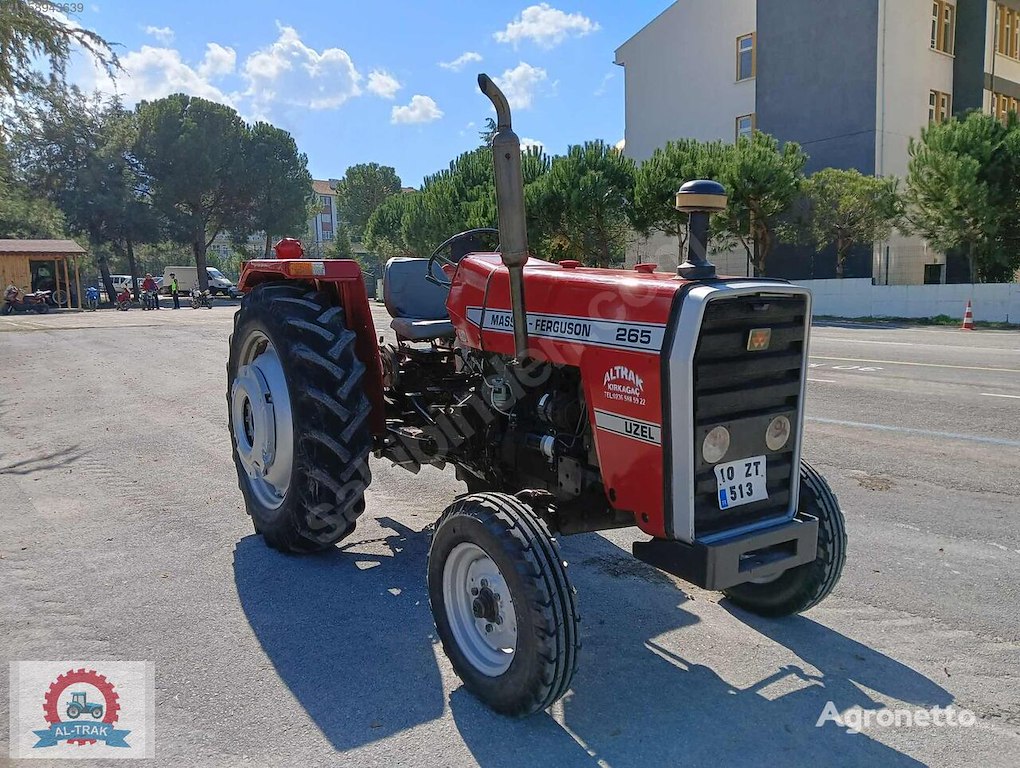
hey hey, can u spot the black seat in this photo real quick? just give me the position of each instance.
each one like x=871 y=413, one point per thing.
x=417 y=306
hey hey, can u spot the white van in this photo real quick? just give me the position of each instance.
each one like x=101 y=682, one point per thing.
x=188 y=276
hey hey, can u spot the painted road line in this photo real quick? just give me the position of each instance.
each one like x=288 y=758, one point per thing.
x=921 y=365
x=837 y=340
x=993 y=394
x=827 y=381
x=913 y=431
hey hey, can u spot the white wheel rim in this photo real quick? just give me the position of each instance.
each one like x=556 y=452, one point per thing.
x=473 y=584
x=261 y=418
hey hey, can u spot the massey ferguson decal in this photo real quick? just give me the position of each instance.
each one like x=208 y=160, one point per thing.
x=635 y=429
x=646 y=337
x=621 y=383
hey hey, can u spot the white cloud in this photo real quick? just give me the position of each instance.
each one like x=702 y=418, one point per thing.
x=165 y=35
x=219 y=61
x=458 y=63
x=527 y=143
x=382 y=83
x=545 y=26
x=151 y=73
x=520 y=83
x=289 y=72
x=421 y=109
x=601 y=90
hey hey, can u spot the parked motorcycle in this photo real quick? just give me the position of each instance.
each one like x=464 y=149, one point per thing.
x=92 y=299
x=149 y=299
x=201 y=299
x=15 y=301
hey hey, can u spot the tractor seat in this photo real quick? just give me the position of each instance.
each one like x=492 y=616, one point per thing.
x=417 y=306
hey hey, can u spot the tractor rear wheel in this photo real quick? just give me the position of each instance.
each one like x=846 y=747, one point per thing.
x=298 y=417
x=805 y=586
x=503 y=606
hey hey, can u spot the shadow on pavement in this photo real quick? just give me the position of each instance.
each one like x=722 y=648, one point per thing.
x=361 y=660
x=52 y=460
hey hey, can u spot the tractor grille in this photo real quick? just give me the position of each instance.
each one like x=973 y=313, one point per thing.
x=743 y=391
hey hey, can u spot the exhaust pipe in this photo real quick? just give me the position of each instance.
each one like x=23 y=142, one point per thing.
x=513 y=230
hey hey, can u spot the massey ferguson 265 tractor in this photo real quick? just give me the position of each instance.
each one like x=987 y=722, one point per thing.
x=568 y=399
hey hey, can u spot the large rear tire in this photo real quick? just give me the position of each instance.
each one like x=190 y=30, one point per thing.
x=503 y=606
x=299 y=418
x=805 y=586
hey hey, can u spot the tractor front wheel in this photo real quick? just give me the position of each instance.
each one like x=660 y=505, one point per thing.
x=503 y=606
x=97 y=712
x=805 y=586
x=298 y=417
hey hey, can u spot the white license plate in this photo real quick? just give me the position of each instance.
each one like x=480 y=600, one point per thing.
x=741 y=482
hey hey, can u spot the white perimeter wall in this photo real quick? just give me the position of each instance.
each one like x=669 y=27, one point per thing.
x=857 y=297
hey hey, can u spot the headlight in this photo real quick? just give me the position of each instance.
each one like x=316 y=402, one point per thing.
x=717 y=442
x=778 y=433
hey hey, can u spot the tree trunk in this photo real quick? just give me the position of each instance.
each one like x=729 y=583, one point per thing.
x=841 y=250
x=198 y=247
x=972 y=259
x=132 y=267
x=269 y=245
x=104 y=273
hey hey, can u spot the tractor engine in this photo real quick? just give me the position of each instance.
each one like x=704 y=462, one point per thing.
x=505 y=426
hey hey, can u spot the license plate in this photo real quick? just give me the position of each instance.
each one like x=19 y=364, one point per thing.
x=741 y=482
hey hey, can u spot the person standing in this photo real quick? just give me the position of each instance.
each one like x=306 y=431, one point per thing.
x=175 y=290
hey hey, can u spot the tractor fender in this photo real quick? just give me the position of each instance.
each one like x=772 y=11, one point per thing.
x=342 y=278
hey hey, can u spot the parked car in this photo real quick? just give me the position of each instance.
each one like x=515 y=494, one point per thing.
x=188 y=276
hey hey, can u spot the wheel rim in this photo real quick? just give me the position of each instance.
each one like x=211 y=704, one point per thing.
x=261 y=418
x=479 y=609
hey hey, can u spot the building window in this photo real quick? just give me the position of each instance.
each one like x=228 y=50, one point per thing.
x=745 y=126
x=943 y=26
x=1007 y=32
x=940 y=106
x=746 y=63
x=1002 y=105
x=327 y=234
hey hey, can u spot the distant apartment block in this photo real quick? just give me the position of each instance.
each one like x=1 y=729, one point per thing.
x=850 y=81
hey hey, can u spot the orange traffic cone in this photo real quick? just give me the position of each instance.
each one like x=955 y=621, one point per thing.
x=968 y=319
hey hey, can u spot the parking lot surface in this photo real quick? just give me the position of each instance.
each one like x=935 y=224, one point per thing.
x=123 y=536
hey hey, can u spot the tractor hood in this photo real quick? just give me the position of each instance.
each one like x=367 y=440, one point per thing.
x=654 y=361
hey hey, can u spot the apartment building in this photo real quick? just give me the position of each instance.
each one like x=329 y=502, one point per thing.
x=323 y=225
x=851 y=82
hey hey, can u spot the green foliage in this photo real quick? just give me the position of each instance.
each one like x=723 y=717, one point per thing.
x=963 y=192
x=29 y=33
x=213 y=195
x=655 y=185
x=364 y=188
x=844 y=208
x=582 y=205
x=279 y=184
x=341 y=247
x=23 y=214
x=384 y=230
x=762 y=182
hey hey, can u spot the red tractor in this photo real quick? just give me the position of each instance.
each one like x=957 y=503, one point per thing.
x=607 y=398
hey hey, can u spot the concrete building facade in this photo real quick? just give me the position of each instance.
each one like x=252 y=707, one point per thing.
x=851 y=82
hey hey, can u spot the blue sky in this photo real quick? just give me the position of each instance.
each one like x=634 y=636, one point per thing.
x=363 y=81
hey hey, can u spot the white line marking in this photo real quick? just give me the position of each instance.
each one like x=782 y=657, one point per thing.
x=913 y=431
x=827 y=381
x=922 y=365
x=866 y=341
x=992 y=394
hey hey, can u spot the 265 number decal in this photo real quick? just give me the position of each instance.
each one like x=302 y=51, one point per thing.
x=634 y=336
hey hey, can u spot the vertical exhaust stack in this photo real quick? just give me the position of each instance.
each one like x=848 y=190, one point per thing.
x=513 y=230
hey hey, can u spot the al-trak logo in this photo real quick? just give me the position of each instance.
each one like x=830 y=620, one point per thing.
x=81 y=707
x=621 y=383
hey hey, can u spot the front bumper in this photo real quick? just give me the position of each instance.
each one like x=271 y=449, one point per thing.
x=726 y=563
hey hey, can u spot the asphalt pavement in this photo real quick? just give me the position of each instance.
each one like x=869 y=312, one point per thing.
x=123 y=536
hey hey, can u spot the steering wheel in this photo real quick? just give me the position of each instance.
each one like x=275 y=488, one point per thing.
x=436 y=272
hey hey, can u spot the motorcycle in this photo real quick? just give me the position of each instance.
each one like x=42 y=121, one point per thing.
x=92 y=299
x=30 y=302
x=150 y=299
x=201 y=299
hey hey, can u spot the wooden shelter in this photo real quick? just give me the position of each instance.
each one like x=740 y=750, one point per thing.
x=43 y=265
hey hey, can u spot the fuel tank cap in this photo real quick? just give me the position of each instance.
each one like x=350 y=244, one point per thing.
x=645 y=269
x=570 y=264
